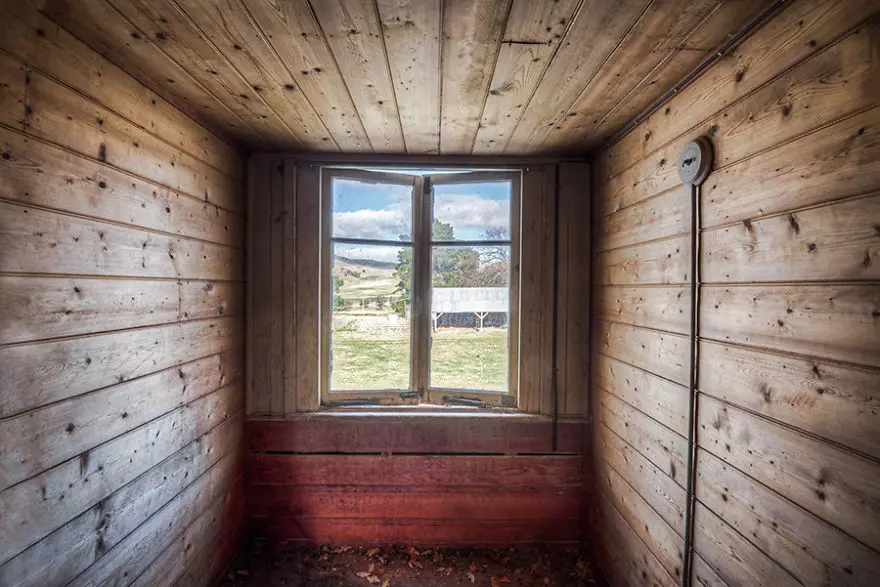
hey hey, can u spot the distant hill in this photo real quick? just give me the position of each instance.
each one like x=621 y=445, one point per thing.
x=364 y=278
x=363 y=262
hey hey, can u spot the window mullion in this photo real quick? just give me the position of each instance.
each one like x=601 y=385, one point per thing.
x=421 y=285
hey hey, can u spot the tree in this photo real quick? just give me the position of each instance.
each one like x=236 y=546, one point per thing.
x=338 y=282
x=454 y=266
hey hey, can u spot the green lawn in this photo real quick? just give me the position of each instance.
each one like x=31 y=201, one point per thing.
x=460 y=358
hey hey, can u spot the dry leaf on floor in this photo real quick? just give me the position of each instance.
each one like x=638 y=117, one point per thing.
x=370 y=577
x=471 y=577
x=499 y=579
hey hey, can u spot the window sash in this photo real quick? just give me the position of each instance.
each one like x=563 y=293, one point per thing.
x=421 y=244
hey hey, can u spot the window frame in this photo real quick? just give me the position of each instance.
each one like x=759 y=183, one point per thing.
x=420 y=392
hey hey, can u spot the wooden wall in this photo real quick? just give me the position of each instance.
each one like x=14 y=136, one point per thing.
x=787 y=469
x=282 y=299
x=329 y=477
x=414 y=479
x=121 y=324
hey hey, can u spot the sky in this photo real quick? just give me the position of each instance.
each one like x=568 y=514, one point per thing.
x=384 y=211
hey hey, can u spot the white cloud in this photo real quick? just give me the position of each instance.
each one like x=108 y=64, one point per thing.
x=387 y=224
x=471 y=216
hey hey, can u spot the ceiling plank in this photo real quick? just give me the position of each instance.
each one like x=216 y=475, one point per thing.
x=166 y=28
x=352 y=30
x=472 y=34
x=731 y=17
x=95 y=23
x=228 y=27
x=533 y=35
x=652 y=42
x=599 y=26
x=293 y=32
x=411 y=29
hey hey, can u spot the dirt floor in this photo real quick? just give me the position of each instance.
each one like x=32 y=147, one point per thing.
x=295 y=566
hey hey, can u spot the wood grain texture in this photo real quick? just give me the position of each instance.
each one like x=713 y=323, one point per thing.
x=787 y=313
x=652 y=40
x=291 y=32
x=825 y=321
x=414 y=434
x=121 y=336
x=414 y=503
x=623 y=556
x=659 y=398
x=536 y=290
x=663 y=308
x=411 y=30
x=661 y=493
x=403 y=76
x=83 y=481
x=65 y=429
x=600 y=26
x=661 y=262
x=839 y=242
x=532 y=36
x=42 y=174
x=453 y=498
x=574 y=265
x=830 y=400
x=833 y=84
x=731 y=556
x=726 y=20
x=796 y=32
x=461 y=533
x=657 y=535
x=832 y=483
x=34 y=39
x=70 y=549
x=60 y=115
x=664 y=448
x=660 y=353
x=415 y=471
x=472 y=33
x=811 y=550
x=354 y=35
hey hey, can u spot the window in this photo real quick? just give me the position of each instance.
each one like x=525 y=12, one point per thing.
x=419 y=290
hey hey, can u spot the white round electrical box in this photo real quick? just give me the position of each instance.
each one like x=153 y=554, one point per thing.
x=695 y=161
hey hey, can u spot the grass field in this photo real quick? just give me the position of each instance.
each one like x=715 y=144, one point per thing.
x=460 y=358
x=370 y=344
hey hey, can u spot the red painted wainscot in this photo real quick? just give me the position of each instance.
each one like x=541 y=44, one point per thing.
x=414 y=479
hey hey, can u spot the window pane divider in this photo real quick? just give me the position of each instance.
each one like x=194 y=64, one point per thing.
x=471 y=243
x=369 y=241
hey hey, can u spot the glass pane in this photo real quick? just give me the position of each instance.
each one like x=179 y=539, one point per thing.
x=472 y=211
x=370 y=331
x=470 y=310
x=381 y=211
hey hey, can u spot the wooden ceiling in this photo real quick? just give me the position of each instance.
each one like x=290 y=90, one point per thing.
x=409 y=76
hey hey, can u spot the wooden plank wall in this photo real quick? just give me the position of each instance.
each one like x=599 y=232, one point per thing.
x=282 y=298
x=409 y=479
x=121 y=324
x=788 y=466
x=319 y=478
